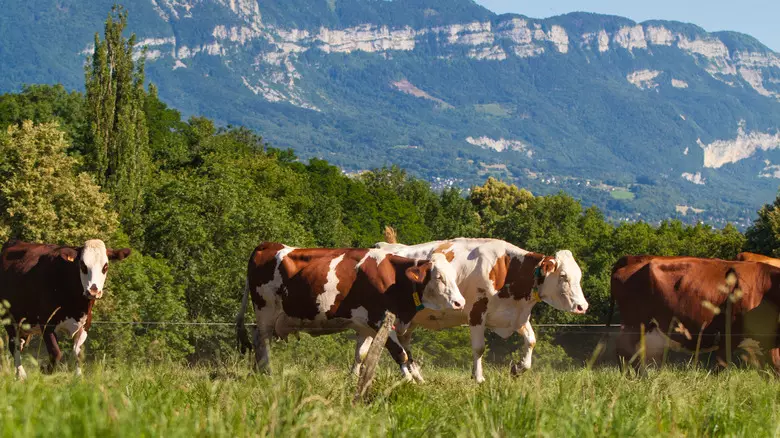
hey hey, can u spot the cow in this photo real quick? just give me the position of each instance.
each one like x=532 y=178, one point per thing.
x=501 y=284
x=52 y=289
x=324 y=291
x=682 y=301
x=753 y=257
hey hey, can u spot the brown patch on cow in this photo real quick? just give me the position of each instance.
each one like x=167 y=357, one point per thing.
x=446 y=250
x=478 y=311
x=547 y=266
x=521 y=276
x=498 y=274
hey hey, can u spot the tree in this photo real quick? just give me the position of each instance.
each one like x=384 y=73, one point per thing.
x=496 y=199
x=42 y=198
x=118 y=140
x=764 y=236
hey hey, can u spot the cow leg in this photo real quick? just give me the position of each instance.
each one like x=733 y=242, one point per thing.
x=78 y=342
x=406 y=343
x=55 y=354
x=261 y=341
x=477 y=333
x=361 y=350
x=14 y=348
x=626 y=346
x=529 y=342
x=398 y=353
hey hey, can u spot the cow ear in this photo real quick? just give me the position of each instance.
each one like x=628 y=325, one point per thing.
x=69 y=254
x=418 y=273
x=549 y=265
x=117 y=254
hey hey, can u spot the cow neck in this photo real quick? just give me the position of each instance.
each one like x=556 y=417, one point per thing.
x=75 y=305
x=522 y=276
x=402 y=294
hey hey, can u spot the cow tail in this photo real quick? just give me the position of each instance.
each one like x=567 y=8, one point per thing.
x=611 y=310
x=390 y=235
x=243 y=342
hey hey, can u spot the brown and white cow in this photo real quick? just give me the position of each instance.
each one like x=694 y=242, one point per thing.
x=669 y=296
x=52 y=289
x=501 y=284
x=324 y=291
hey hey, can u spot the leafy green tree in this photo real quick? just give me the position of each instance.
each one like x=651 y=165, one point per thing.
x=43 y=104
x=764 y=236
x=42 y=197
x=141 y=289
x=118 y=136
x=495 y=199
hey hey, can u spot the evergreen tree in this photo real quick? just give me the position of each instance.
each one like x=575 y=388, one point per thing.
x=118 y=150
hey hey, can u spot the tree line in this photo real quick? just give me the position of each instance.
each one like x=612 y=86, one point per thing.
x=193 y=199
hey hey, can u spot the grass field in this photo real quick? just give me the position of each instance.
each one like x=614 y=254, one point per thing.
x=622 y=195
x=312 y=399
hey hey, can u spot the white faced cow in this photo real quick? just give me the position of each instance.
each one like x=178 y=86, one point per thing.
x=501 y=284
x=52 y=289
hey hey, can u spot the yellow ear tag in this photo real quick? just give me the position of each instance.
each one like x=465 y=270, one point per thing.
x=535 y=296
x=69 y=258
x=417 y=303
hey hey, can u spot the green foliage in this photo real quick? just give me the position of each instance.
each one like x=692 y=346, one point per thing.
x=118 y=147
x=42 y=197
x=764 y=236
x=141 y=289
x=44 y=104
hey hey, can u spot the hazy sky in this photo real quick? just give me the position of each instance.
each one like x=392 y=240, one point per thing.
x=758 y=18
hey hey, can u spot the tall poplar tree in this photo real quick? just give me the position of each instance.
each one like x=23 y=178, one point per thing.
x=118 y=140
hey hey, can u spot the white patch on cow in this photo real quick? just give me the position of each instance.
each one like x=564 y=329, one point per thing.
x=326 y=299
x=71 y=326
x=361 y=351
x=406 y=373
x=20 y=373
x=655 y=344
x=92 y=264
x=360 y=315
x=374 y=253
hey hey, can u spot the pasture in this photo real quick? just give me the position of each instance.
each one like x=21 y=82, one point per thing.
x=310 y=390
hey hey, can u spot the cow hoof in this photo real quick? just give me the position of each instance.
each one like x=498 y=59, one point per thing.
x=479 y=379
x=20 y=373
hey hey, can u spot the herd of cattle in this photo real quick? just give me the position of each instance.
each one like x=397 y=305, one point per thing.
x=485 y=283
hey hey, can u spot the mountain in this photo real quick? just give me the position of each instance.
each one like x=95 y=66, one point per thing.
x=645 y=120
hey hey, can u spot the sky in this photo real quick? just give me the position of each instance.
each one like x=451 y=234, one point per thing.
x=758 y=18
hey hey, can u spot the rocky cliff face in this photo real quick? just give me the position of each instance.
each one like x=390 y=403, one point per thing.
x=273 y=74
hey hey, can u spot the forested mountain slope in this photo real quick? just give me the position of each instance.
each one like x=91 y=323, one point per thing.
x=649 y=120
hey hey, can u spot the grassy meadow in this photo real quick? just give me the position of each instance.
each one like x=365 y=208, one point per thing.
x=305 y=397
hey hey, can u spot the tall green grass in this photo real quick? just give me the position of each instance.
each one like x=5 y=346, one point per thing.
x=304 y=397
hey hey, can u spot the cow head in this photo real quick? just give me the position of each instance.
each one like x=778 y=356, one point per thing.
x=439 y=278
x=558 y=279
x=92 y=260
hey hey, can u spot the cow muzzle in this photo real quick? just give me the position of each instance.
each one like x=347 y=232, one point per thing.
x=580 y=309
x=93 y=293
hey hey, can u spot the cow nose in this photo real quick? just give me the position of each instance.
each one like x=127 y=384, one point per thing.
x=580 y=308
x=93 y=288
x=457 y=305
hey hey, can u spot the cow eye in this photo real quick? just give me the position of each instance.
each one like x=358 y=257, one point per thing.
x=105 y=268
x=83 y=267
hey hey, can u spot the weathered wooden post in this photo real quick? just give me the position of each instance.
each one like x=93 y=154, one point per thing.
x=368 y=369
